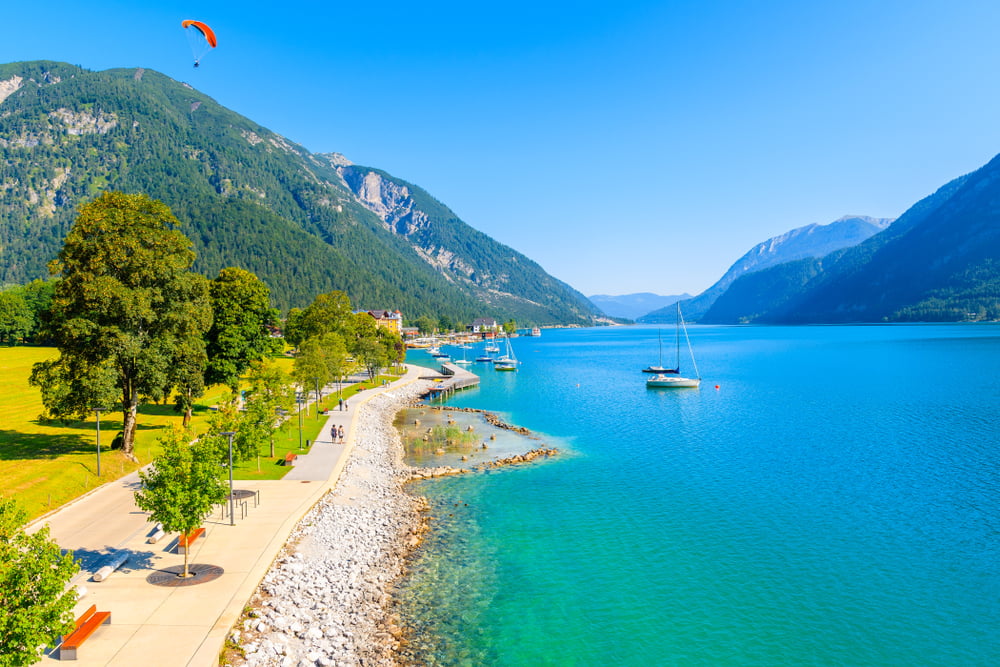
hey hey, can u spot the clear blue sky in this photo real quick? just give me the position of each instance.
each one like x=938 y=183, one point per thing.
x=626 y=147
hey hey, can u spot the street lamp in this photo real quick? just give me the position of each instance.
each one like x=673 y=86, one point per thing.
x=232 y=503
x=298 y=399
x=98 y=412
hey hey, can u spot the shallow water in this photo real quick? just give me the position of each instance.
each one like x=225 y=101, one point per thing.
x=835 y=501
x=456 y=439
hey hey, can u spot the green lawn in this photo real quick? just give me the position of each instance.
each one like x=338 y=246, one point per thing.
x=45 y=464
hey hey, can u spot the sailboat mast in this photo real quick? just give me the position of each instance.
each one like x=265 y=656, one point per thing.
x=680 y=318
x=678 y=336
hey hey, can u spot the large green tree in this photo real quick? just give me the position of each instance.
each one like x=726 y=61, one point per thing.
x=35 y=604
x=183 y=484
x=126 y=299
x=240 y=332
x=327 y=313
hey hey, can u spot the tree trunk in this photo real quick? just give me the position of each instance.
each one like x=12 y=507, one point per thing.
x=130 y=409
x=186 y=575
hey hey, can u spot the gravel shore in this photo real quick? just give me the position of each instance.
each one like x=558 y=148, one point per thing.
x=324 y=600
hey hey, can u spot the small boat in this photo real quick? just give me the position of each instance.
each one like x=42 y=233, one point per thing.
x=492 y=347
x=507 y=362
x=535 y=331
x=464 y=360
x=658 y=368
x=671 y=377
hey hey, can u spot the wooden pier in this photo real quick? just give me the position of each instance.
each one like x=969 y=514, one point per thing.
x=453 y=379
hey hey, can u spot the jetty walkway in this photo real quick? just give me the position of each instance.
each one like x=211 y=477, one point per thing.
x=454 y=378
x=188 y=625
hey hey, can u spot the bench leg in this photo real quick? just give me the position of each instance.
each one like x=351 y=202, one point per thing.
x=67 y=654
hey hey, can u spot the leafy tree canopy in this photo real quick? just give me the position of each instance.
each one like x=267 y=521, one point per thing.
x=240 y=333
x=126 y=297
x=183 y=484
x=35 y=604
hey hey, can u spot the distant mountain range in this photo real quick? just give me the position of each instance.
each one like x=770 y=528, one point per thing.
x=305 y=223
x=632 y=306
x=809 y=241
x=940 y=261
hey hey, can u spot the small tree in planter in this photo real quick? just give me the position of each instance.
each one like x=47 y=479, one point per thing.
x=183 y=484
x=35 y=605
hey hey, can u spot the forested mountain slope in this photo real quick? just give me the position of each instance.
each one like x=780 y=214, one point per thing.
x=940 y=261
x=248 y=197
x=800 y=243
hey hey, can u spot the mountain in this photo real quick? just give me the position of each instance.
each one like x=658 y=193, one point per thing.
x=246 y=197
x=631 y=306
x=494 y=273
x=940 y=261
x=801 y=243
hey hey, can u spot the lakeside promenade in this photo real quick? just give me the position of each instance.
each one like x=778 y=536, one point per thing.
x=188 y=625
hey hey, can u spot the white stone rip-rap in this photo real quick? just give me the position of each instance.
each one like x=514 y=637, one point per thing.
x=324 y=600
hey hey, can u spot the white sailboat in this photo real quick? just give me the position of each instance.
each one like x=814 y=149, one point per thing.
x=465 y=359
x=507 y=362
x=659 y=368
x=671 y=377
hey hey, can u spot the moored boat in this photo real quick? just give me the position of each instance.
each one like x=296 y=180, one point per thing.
x=668 y=378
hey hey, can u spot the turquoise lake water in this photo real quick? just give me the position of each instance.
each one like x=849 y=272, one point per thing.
x=836 y=501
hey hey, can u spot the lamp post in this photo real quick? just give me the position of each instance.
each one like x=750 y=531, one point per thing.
x=98 y=412
x=232 y=503
x=298 y=399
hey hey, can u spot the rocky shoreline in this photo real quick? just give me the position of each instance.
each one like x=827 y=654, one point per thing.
x=325 y=600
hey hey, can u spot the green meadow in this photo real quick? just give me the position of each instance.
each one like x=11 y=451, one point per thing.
x=45 y=463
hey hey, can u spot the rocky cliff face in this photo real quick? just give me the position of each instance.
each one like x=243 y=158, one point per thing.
x=497 y=274
x=390 y=201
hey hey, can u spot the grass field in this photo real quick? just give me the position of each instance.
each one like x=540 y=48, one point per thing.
x=45 y=464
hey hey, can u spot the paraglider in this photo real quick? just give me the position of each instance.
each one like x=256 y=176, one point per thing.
x=201 y=38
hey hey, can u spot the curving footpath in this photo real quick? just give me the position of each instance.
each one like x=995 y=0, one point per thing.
x=164 y=626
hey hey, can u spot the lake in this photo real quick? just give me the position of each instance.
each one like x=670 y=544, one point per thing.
x=835 y=500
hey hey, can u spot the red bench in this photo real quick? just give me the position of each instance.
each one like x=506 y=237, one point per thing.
x=290 y=458
x=85 y=626
x=184 y=542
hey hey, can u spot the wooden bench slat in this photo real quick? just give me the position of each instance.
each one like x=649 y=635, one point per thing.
x=185 y=541
x=86 y=615
x=88 y=622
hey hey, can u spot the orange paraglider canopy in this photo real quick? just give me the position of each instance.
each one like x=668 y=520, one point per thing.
x=204 y=29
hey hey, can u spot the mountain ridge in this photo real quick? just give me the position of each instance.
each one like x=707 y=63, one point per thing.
x=940 y=261
x=813 y=240
x=246 y=196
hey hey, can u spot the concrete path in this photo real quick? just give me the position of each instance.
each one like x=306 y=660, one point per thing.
x=162 y=626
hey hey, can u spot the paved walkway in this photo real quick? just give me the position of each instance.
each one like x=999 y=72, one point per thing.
x=160 y=626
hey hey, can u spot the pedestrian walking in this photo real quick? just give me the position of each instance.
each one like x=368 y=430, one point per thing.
x=340 y=433
x=341 y=405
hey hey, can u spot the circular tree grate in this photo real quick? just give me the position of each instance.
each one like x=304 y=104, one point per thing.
x=239 y=494
x=199 y=573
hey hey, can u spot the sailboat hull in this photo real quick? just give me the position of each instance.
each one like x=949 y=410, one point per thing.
x=672 y=382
